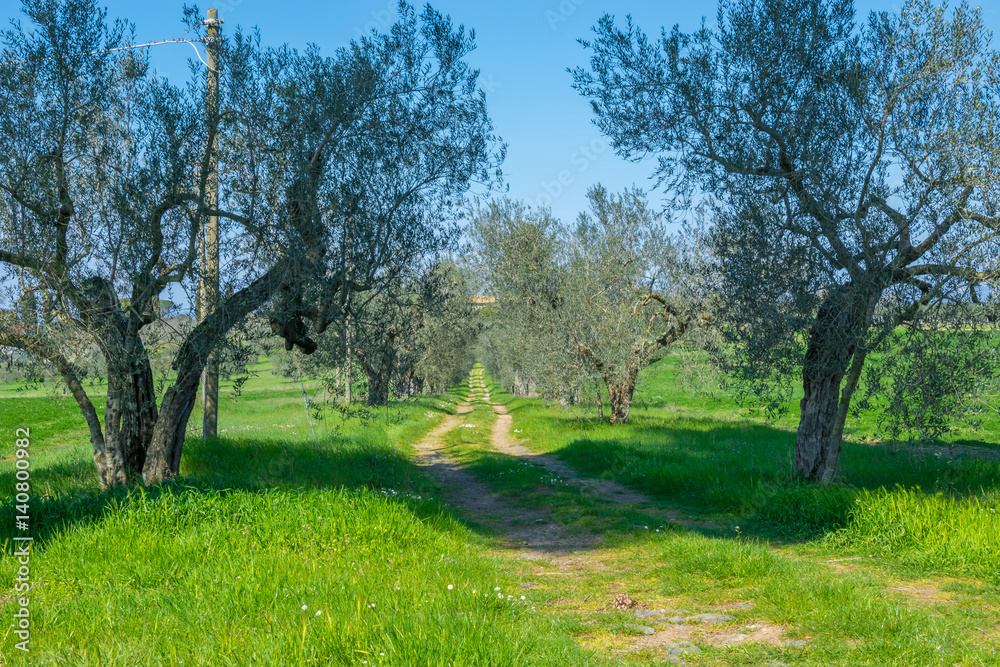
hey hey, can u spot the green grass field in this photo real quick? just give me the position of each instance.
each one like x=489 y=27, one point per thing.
x=269 y=550
x=922 y=508
x=272 y=550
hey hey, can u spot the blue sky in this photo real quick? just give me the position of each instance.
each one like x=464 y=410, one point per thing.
x=524 y=47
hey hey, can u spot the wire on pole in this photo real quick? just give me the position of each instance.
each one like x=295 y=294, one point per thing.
x=126 y=48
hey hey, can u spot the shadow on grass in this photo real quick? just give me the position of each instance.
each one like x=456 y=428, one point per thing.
x=742 y=472
x=718 y=473
x=355 y=457
x=569 y=510
x=238 y=465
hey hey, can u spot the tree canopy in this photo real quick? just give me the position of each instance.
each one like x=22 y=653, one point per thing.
x=588 y=304
x=336 y=171
x=853 y=168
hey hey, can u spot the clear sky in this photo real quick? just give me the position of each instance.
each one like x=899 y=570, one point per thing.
x=524 y=47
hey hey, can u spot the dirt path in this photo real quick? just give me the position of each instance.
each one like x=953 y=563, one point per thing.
x=558 y=560
x=573 y=567
x=520 y=528
x=529 y=530
x=503 y=441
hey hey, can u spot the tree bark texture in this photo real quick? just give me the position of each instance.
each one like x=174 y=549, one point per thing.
x=378 y=386
x=833 y=347
x=164 y=453
x=620 y=395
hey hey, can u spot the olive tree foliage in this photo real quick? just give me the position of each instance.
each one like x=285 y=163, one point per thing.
x=414 y=335
x=501 y=349
x=334 y=171
x=445 y=343
x=852 y=167
x=594 y=303
x=513 y=248
x=939 y=371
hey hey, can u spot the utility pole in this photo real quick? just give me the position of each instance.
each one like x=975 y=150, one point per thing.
x=210 y=237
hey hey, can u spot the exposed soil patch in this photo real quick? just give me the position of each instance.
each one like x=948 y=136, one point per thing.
x=760 y=633
x=923 y=593
x=502 y=442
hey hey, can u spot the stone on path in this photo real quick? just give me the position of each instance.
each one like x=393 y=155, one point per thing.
x=624 y=601
x=644 y=629
x=679 y=650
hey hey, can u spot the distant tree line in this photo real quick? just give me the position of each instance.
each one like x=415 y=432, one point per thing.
x=585 y=308
x=416 y=336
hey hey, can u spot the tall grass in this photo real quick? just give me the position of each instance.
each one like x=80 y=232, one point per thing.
x=186 y=575
x=270 y=549
x=927 y=531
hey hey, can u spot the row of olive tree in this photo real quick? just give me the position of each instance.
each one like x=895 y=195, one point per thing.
x=854 y=171
x=335 y=171
x=592 y=304
x=416 y=335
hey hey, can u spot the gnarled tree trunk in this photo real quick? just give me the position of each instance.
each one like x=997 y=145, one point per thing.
x=620 y=395
x=108 y=461
x=119 y=447
x=163 y=456
x=834 y=348
x=378 y=386
x=378 y=365
x=130 y=412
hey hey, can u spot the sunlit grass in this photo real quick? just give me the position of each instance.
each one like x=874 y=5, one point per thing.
x=278 y=577
x=267 y=520
x=850 y=615
x=737 y=470
x=216 y=567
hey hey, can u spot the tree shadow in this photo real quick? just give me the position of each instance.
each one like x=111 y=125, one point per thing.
x=229 y=466
x=555 y=514
x=741 y=473
x=710 y=475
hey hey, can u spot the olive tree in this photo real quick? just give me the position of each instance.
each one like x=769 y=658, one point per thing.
x=419 y=330
x=334 y=173
x=599 y=301
x=853 y=168
x=444 y=347
x=513 y=249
